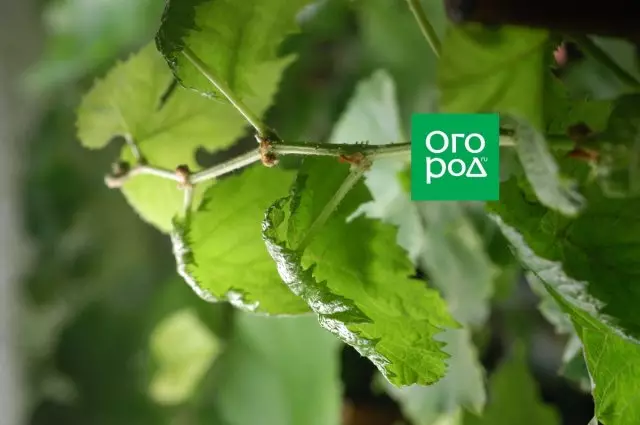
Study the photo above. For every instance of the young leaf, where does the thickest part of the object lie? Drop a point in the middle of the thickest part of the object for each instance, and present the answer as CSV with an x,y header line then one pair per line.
x,y
355,277
219,250
514,398
590,260
483,70
463,386
130,102
235,40
270,363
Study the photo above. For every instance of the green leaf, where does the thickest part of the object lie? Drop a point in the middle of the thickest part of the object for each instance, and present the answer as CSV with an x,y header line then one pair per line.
x,y
595,80
542,170
437,235
355,277
590,260
454,257
372,116
613,362
514,397
619,148
463,386
485,70
270,362
219,250
236,40
129,102
183,349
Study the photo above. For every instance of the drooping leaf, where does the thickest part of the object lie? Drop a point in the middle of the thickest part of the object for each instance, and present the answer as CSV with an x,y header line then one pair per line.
x,y
462,386
514,397
130,102
613,362
590,260
437,235
184,349
236,40
355,277
543,172
219,249
270,363
504,70
573,365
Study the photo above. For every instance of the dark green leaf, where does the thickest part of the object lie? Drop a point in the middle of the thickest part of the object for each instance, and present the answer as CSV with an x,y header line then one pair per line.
x,y
355,277
591,259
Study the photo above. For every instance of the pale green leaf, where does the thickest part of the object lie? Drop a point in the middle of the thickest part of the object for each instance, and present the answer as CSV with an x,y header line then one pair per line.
x,y
462,386
542,170
236,40
219,249
355,277
278,371
514,397
454,257
129,102
183,349
372,116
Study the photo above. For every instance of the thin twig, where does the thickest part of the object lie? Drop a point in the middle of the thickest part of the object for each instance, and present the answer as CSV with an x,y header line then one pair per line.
x,y
599,55
118,180
425,26
370,152
222,87
332,205
226,167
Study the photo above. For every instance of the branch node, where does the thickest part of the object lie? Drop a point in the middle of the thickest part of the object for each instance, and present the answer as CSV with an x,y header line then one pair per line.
x,y
357,159
267,155
120,171
184,176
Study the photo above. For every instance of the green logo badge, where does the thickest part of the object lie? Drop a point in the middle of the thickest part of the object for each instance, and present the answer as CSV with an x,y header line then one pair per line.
x,y
455,157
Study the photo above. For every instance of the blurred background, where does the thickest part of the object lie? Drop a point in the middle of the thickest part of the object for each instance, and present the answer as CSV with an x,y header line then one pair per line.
x,y
96,328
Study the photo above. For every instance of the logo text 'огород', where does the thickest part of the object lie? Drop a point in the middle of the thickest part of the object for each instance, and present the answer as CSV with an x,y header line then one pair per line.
x,y
455,157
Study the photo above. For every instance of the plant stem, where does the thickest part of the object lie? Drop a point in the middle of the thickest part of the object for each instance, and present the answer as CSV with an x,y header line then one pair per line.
x,y
425,26
257,123
118,181
226,167
599,55
332,205
372,153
